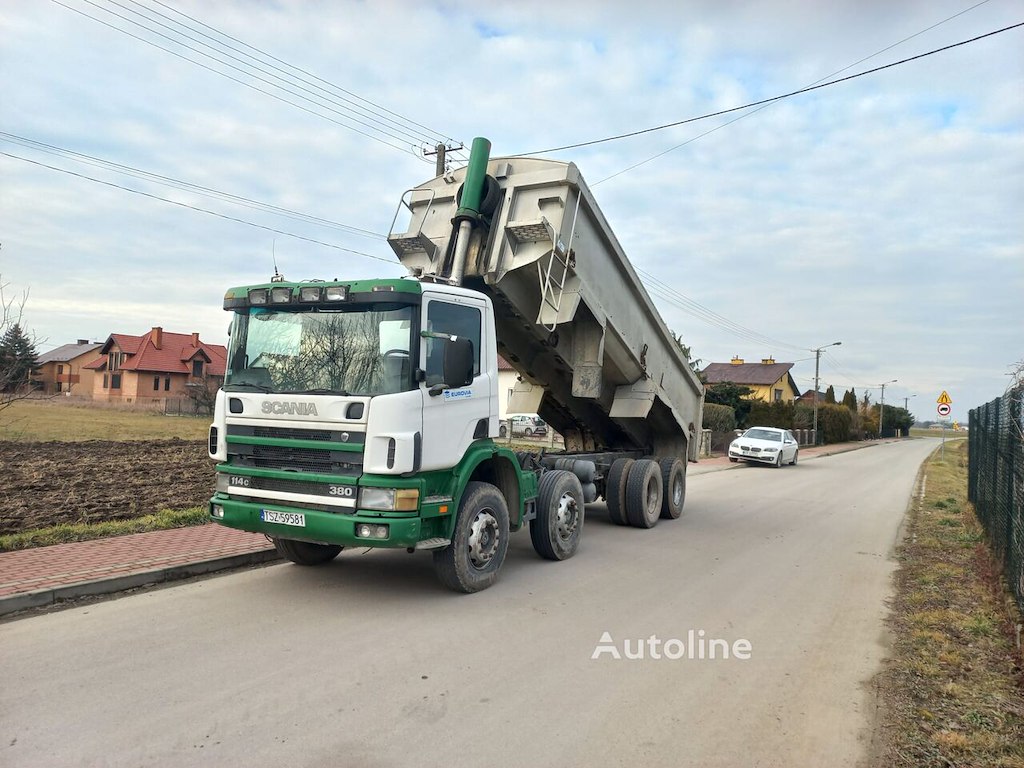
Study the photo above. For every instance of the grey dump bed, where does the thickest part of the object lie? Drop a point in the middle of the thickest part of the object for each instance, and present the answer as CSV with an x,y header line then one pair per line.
x,y
595,358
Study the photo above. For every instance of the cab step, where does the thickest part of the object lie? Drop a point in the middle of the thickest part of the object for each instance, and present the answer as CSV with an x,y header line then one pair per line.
x,y
433,543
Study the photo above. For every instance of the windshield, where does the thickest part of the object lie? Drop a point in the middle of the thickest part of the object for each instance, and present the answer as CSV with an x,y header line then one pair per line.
x,y
362,350
763,434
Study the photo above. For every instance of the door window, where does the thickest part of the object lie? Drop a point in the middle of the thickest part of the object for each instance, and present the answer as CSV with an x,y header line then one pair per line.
x,y
454,320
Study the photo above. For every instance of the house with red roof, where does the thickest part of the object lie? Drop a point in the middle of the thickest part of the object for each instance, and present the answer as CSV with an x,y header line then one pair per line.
x,y
155,367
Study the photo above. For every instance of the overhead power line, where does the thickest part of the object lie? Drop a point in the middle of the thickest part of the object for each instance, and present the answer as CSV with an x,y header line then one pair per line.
x,y
430,134
347,113
809,88
698,310
766,106
186,186
198,209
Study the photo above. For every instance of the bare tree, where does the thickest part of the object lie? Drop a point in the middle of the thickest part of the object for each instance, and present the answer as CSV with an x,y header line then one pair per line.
x,y
202,392
18,358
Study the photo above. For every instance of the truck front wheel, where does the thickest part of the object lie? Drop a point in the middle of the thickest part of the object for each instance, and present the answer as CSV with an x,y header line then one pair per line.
x,y
306,552
479,543
556,530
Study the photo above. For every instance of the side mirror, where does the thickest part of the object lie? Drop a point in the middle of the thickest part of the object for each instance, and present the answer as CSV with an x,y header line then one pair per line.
x,y
458,362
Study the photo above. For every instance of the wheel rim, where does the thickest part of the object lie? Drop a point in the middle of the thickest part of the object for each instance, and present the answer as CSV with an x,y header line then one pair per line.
x,y
568,518
484,537
653,501
677,491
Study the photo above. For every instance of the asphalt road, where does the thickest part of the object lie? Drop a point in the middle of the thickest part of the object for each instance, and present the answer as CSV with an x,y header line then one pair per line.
x,y
368,662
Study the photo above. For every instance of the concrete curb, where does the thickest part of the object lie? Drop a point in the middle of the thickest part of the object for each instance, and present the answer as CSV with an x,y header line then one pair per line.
x,y
46,597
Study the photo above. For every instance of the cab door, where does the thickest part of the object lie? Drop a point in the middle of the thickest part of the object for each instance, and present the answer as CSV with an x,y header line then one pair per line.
x,y
453,417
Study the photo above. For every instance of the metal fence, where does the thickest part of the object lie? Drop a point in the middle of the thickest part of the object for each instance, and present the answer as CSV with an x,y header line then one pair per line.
x,y
185,406
995,483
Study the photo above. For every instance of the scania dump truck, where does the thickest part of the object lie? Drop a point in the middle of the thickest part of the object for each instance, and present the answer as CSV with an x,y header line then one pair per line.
x,y
364,413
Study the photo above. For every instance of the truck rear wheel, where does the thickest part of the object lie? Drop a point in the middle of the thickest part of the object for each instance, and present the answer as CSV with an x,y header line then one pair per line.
x,y
556,530
673,487
479,543
306,552
615,490
643,494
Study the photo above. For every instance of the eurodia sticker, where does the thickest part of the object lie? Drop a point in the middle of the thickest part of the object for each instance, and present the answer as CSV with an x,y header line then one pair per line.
x,y
457,394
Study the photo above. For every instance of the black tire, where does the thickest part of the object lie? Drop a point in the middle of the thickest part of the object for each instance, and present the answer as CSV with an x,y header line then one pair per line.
x,y
529,432
795,457
556,530
778,461
306,552
479,543
615,490
673,488
733,460
643,494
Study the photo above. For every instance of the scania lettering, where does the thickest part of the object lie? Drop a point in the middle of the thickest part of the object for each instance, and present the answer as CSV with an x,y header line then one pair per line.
x,y
292,409
364,413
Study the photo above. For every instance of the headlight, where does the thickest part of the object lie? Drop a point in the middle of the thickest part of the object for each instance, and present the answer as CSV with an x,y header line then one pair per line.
x,y
258,296
390,499
309,293
280,295
770,450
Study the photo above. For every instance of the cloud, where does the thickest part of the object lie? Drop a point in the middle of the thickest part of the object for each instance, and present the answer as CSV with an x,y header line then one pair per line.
x,y
883,212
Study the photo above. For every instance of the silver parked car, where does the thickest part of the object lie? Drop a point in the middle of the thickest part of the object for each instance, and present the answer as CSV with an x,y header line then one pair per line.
x,y
523,425
767,445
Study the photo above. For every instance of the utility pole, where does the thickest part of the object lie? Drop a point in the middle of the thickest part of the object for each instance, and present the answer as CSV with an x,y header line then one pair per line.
x,y
881,407
441,150
905,400
817,361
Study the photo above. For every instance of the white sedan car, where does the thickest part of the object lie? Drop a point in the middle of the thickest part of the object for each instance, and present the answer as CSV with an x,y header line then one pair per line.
x,y
766,445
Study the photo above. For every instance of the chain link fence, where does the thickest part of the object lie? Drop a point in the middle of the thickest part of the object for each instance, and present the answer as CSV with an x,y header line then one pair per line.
x,y
995,483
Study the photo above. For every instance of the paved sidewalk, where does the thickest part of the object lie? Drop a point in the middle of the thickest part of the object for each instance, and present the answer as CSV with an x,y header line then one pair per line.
x,y
41,576
31,578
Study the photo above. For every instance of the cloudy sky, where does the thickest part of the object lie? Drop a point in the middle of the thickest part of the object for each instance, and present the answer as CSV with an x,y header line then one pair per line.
x,y
883,212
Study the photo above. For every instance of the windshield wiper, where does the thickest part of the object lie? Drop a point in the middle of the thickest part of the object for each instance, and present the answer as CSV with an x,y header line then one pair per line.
x,y
252,385
341,392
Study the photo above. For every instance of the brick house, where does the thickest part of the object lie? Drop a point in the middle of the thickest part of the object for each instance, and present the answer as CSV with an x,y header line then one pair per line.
x,y
65,371
155,367
770,381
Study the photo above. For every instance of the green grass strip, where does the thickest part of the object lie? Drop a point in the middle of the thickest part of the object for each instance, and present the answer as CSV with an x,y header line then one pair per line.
x,y
68,532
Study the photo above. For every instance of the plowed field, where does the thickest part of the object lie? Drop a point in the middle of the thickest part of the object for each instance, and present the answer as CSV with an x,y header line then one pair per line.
x,y
44,484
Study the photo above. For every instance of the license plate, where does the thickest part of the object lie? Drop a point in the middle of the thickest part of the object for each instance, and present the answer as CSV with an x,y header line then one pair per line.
x,y
283,518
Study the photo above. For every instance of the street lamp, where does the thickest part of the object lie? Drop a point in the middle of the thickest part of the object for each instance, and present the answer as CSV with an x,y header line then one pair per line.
x,y
881,408
817,361
905,399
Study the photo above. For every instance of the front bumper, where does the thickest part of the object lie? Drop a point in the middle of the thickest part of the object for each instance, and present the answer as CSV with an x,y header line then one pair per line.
x,y
320,526
763,458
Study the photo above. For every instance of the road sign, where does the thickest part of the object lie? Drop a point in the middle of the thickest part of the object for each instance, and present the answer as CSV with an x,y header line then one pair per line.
x,y
944,398
943,409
